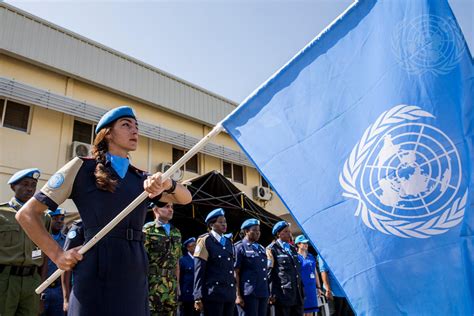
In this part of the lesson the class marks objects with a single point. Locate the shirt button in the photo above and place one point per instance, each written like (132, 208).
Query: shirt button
(248, 280)
(228, 259)
(263, 260)
(217, 282)
(263, 269)
(218, 256)
(264, 279)
(232, 285)
(223, 247)
(230, 271)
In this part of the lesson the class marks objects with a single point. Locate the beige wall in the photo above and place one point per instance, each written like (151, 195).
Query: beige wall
(47, 145)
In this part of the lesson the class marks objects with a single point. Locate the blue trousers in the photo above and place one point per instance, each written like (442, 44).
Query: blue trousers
(53, 304)
(253, 306)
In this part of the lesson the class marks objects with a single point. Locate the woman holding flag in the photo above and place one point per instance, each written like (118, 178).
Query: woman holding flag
(112, 278)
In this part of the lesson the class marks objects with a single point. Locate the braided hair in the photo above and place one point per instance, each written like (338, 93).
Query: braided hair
(104, 179)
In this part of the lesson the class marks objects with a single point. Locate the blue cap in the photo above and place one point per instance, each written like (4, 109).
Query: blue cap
(113, 115)
(215, 213)
(249, 223)
(33, 173)
(188, 241)
(301, 239)
(58, 211)
(279, 227)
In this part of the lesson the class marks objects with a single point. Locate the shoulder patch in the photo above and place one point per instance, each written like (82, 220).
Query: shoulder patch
(56, 181)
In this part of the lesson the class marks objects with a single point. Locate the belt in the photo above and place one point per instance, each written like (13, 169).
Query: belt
(122, 233)
(162, 272)
(20, 270)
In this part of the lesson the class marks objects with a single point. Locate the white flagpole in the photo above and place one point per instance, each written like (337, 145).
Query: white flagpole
(107, 228)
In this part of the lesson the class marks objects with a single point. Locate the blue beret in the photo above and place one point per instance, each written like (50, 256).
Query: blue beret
(301, 239)
(279, 227)
(26, 173)
(249, 223)
(188, 241)
(215, 213)
(113, 115)
(58, 211)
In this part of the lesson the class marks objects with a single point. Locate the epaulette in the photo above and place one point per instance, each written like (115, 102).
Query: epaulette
(138, 171)
(149, 224)
(238, 243)
(203, 235)
(270, 245)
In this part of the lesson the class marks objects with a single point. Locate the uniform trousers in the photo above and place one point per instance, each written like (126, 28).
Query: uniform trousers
(284, 310)
(17, 294)
(187, 309)
(213, 308)
(253, 306)
(53, 304)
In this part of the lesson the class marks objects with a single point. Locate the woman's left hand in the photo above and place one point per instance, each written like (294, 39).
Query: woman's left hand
(155, 185)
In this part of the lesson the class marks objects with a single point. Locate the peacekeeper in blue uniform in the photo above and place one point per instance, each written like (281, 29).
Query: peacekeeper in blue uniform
(286, 287)
(112, 277)
(53, 295)
(214, 281)
(20, 258)
(251, 271)
(186, 278)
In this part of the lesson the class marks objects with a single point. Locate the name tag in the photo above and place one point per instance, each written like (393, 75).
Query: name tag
(282, 256)
(36, 254)
(250, 252)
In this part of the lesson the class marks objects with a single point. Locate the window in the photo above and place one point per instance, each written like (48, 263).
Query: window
(233, 171)
(264, 182)
(192, 165)
(14, 115)
(83, 132)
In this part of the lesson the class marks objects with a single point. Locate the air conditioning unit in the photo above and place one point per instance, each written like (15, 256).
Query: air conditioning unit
(80, 149)
(176, 176)
(262, 193)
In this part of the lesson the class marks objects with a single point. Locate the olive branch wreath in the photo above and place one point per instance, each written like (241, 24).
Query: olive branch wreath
(440, 224)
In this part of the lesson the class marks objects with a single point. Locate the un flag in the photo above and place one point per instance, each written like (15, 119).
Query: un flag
(367, 137)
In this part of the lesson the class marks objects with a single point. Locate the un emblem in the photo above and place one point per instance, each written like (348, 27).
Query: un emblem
(406, 176)
(428, 44)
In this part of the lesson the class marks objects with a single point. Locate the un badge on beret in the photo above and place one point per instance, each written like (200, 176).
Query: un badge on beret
(56, 181)
(72, 234)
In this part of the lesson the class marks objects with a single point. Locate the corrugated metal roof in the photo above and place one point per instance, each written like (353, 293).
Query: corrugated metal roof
(33, 38)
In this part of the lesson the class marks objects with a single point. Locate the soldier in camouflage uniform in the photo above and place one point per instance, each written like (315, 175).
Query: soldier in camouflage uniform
(163, 245)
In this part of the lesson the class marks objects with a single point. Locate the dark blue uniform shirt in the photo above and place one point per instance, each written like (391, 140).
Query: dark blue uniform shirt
(112, 277)
(251, 259)
(186, 278)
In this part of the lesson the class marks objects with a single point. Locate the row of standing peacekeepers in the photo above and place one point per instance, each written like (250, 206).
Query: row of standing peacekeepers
(215, 276)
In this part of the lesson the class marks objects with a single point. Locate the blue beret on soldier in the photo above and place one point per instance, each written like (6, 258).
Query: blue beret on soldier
(188, 241)
(33, 173)
(279, 227)
(215, 213)
(113, 115)
(249, 223)
(301, 239)
(58, 211)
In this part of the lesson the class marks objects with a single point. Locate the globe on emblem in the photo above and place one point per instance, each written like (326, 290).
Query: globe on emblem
(412, 171)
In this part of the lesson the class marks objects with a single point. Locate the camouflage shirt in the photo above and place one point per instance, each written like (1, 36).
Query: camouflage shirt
(163, 254)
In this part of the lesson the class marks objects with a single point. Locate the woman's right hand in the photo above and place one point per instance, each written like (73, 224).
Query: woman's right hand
(68, 259)
(198, 306)
(239, 301)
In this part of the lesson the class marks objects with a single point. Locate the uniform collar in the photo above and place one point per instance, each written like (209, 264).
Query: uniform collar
(14, 203)
(119, 164)
(189, 254)
(216, 235)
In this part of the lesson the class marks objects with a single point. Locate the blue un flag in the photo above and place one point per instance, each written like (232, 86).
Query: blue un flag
(367, 137)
